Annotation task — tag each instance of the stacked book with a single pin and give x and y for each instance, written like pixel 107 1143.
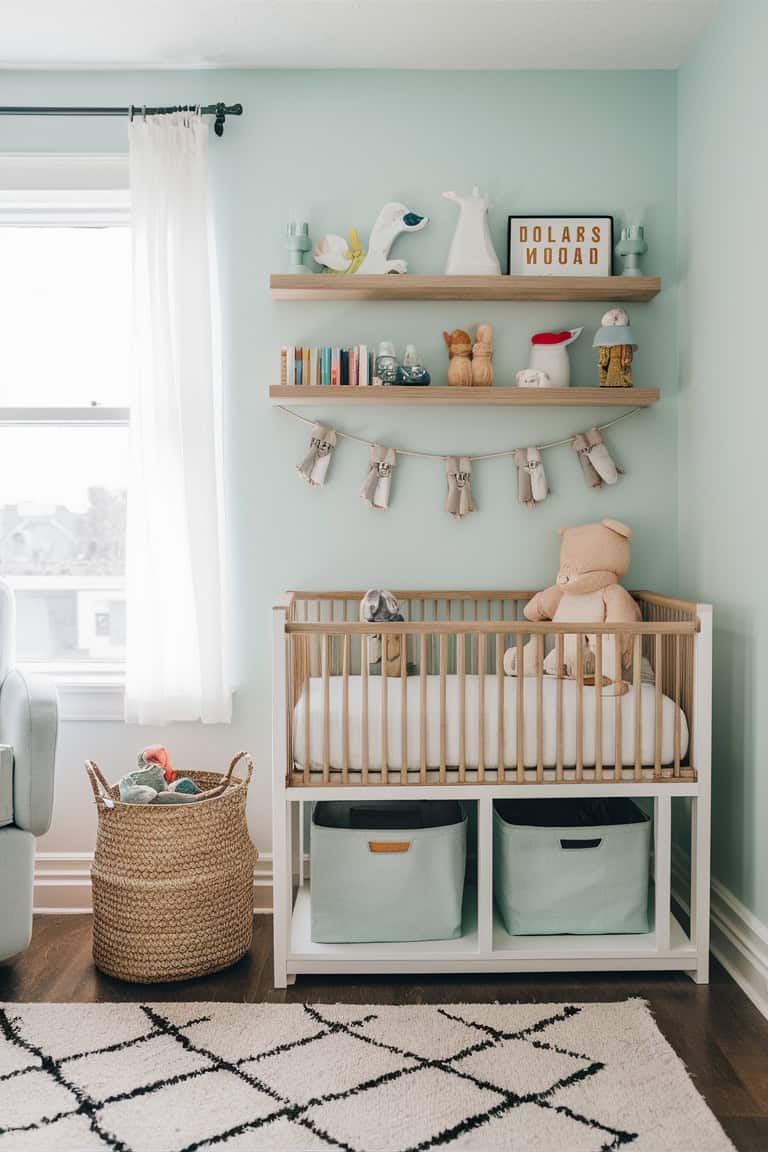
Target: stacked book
pixel 318 367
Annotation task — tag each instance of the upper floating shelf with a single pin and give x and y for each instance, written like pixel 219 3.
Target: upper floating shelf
pixel 496 396
pixel 603 289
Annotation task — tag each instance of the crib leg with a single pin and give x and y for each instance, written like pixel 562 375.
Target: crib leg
pixel 282 891
pixel 700 854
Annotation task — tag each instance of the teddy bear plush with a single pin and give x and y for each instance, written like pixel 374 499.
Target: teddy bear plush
pixel 593 558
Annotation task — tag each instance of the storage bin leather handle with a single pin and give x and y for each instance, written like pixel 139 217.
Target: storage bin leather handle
pixel 568 844
pixel 388 845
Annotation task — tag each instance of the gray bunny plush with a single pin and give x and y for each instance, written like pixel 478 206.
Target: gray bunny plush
pixel 379 606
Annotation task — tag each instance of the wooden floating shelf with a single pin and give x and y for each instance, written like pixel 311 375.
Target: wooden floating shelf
pixel 480 397
pixel 603 289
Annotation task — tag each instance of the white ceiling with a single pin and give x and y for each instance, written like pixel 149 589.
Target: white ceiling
pixel 350 33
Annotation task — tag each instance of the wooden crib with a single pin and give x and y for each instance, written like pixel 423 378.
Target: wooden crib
pixel 448 721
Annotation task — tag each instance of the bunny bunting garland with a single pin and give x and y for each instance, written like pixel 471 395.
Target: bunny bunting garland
pixel 600 457
pixel 539 486
pixel 596 461
pixel 375 490
pixel 597 465
pixel 458 470
pixel 532 485
pixel 524 489
pixel 314 466
pixel 580 445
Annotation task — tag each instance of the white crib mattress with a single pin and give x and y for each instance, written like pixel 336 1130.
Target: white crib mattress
pixel 647 703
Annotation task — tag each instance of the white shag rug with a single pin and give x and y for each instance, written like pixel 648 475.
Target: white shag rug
pixel 244 1077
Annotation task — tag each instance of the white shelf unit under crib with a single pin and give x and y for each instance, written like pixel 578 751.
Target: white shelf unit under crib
pixel 674 632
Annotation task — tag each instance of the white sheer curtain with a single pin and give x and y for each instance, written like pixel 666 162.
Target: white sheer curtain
pixel 176 651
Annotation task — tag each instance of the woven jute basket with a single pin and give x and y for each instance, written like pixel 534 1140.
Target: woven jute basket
pixel 173 884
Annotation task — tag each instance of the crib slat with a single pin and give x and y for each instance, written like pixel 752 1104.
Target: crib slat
pixel 657 712
pixel 677 707
pixel 618 750
pixel 519 705
pixel 307 713
pixel 404 708
pixel 461 661
pixel 384 713
pixel 364 754
pixel 423 709
pixel 559 709
pixel 580 707
pixel 540 709
pixel 637 684
pixel 599 708
pixel 443 648
pixel 500 774
pixel 481 708
pixel 345 708
pixel 326 708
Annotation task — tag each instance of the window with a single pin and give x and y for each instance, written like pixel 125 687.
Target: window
pixel 65 371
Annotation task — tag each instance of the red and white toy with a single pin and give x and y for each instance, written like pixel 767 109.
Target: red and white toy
pixel 549 365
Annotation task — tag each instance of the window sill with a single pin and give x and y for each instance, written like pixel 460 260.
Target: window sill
pixel 85 696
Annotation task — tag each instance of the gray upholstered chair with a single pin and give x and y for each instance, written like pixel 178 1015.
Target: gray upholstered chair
pixel 28 727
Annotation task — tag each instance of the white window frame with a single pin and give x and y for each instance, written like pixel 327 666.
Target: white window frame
pixel 40 190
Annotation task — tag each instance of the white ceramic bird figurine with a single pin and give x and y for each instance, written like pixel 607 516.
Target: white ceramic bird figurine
pixel 334 253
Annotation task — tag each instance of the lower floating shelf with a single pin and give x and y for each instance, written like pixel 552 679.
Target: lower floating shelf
pixel 496 396
pixel 505 954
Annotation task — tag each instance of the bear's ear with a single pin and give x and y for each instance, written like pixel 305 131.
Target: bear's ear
pixel 618 527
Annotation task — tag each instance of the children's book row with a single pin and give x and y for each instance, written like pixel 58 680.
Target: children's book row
pixel 330 366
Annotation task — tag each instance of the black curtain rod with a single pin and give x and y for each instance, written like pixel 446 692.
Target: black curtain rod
pixel 220 111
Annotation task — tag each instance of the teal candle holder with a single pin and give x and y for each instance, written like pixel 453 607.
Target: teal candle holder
pixel 631 247
pixel 297 242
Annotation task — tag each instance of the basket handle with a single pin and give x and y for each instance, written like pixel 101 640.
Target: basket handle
pixel 220 789
pixel 99 785
pixel 235 761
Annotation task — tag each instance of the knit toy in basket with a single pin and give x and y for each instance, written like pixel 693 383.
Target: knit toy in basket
pixel 173 885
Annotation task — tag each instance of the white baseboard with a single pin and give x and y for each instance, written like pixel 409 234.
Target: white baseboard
pixel 738 939
pixel 62 883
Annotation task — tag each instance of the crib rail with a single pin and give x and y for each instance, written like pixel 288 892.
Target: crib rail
pixel 427 700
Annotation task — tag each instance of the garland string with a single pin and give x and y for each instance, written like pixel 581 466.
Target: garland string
pixel 443 455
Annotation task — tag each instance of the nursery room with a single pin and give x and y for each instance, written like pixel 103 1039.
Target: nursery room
pixel 381 707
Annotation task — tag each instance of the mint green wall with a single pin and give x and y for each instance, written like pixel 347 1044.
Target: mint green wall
pixel 723 100
pixel 333 146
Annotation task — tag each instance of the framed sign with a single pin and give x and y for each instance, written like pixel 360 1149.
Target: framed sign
pixel 560 245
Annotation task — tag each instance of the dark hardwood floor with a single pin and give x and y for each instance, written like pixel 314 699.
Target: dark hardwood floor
pixel 715 1029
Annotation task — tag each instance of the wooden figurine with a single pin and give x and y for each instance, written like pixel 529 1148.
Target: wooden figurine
pixel 482 351
pixel 459 347
pixel 616 343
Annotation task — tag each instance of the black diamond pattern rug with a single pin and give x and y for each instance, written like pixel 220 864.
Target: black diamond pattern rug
pixel 245 1077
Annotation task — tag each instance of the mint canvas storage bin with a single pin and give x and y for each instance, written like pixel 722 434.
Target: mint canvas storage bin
pixel 571 866
pixel 384 871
